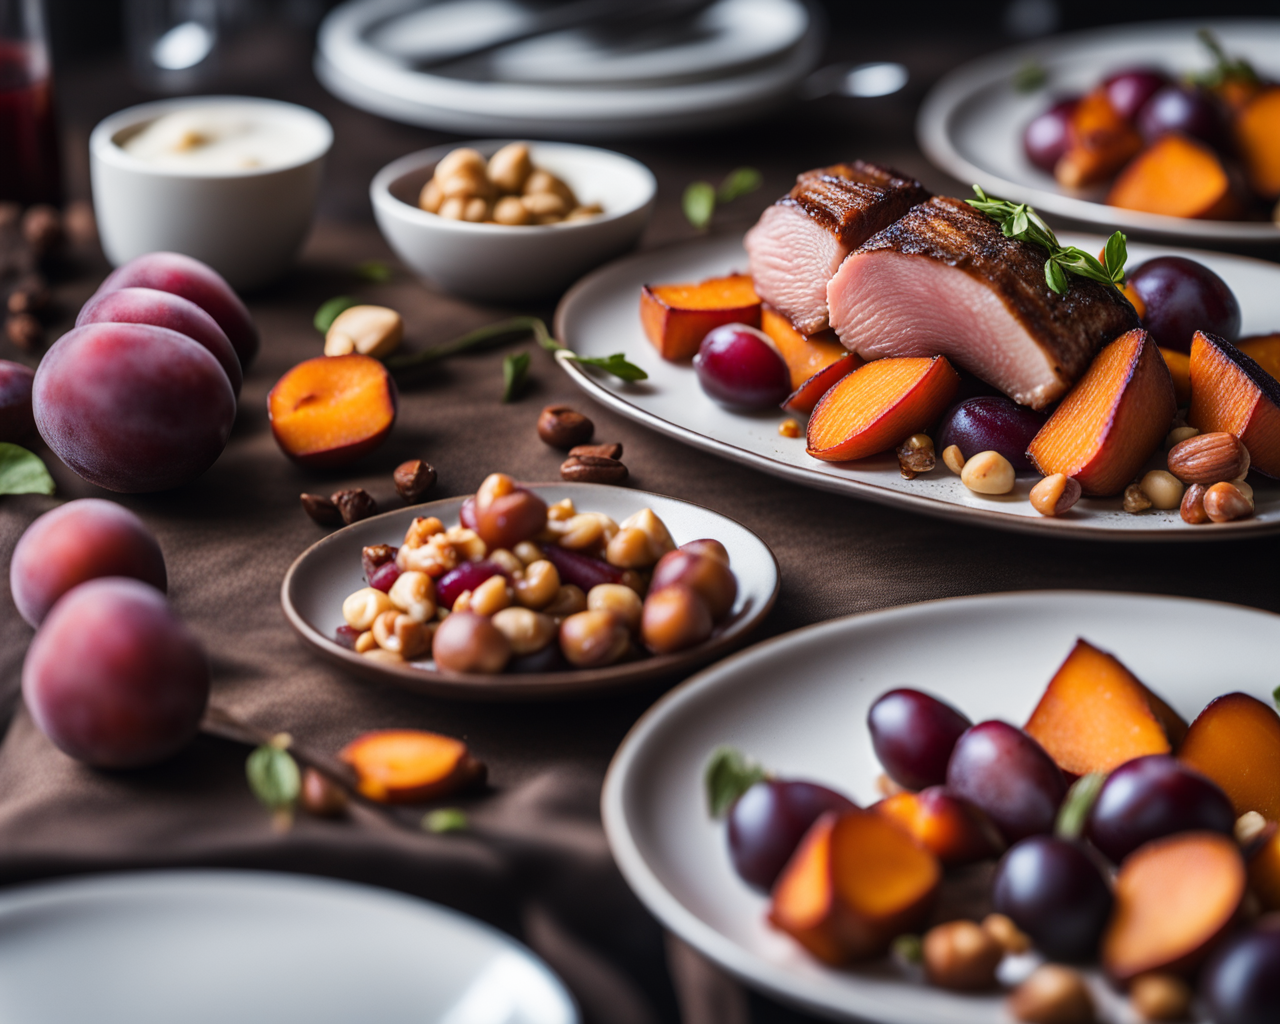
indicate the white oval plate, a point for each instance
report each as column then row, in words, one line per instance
column 798, row 705
column 209, row 947
column 600, row 315
column 323, row 575
column 971, row 122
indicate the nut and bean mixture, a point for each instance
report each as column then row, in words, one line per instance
column 519, row 585
column 505, row 189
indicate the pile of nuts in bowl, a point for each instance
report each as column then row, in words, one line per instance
column 521, row 586
column 505, row 189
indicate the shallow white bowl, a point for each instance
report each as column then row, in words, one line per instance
column 246, row 224
column 507, row 263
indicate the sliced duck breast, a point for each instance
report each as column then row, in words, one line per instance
column 799, row 242
column 944, row 280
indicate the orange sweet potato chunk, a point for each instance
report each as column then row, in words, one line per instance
column 1178, row 177
column 1173, row 898
column 950, row 828
column 1099, row 143
column 878, row 405
column 1264, row 869
column 1095, row 715
column 1232, row 393
column 805, row 355
column 1179, row 364
column 408, row 765
column 1112, row 420
column 676, row 317
column 803, row 399
column 1263, row 349
column 1235, row 741
column 1258, row 137
column 331, row 410
column 856, row 881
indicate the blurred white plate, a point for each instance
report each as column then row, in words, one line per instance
column 600, row 315
column 212, row 947
column 971, row 122
column 798, row 705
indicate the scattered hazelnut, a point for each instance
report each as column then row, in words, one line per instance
column 1193, row 505
column 42, row 228
column 509, row 168
column 1160, row 996
column 321, row 509
column 29, row 295
column 1179, row 434
column 988, row 473
column 591, row 469
column 321, row 796
column 1224, row 502
column 1135, row 499
column 953, row 458
column 563, row 427
column 915, row 456
column 961, row 955
column 1053, row 995
column 414, row 478
column 1164, row 489
column 1055, row 494
column 24, row 331
column 789, row 428
column 1011, row 938
column 355, row 504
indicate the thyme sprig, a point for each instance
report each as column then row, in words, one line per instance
column 1224, row 68
column 1019, row 221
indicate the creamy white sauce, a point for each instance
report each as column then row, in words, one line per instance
column 220, row 139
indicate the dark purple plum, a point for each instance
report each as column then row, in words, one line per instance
column 467, row 576
column 1182, row 297
column 913, row 734
column 1241, row 982
column 1007, row 774
column 1154, row 796
column 1053, row 891
column 768, row 821
column 1129, row 90
column 738, row 366
column 1187, row 111
column 384, row 577
column 581, row 570
column 1044, row 140
column 347, row 636
column 17, row 422
column 991, row 423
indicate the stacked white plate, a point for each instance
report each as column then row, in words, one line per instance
column 726, row 62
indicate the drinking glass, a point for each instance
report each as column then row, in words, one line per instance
column 30, row 171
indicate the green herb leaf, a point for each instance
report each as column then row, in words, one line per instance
column 739, row 182
column 1115, row 255
column 908, row 948
column 699, row 203
column 727, row 777
column 274, row 777
column 515, row 370
column 1275, row 696
column 615, row 364
column 1077, row 804
column 1056, row 277
column 446, row 819
column 1030, row 76
column 22, row 472
column 374, row 271
column 331, row 310
column 1224, row 68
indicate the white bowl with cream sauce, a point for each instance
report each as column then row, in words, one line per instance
column 230, row 180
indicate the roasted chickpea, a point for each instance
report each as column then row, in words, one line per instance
column 620, row 600
column 491, row 596
column 414, row 593
column 365, row 605
column 709, row 577
column 526, row 631
column 594, row 639
column 539, row 586
column 569, row 600
column 467, row 642
column 675, row 618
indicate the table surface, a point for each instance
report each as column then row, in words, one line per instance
column 535, row 861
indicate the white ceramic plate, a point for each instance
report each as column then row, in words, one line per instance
column 600, row 316
column 209, row 947
column 971, row 122
column 798, row 704
column 329, row 570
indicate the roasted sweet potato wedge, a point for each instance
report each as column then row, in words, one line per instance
column 407, row 765
column 1263, row 349
column 1258, row 138
column 1230, row 392
column 676, row 317
column 948, row 826
column 1099, row 143
column 804, row 354
column 1178, row 177
column 1235, row 741
column 803, row 399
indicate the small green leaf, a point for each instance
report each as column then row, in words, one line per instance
column 1275, row 696
column 1055, row 277
column 1030, row 76
column 1115, row 254
column 446, row 819
column 515, row 371
column 273, row 776
column 615, row 364
column 699, row 203
column 1077, row 804
column 727, row 777
column 738, row 182
column 331, row 310
column 22, row 472
column 908, row 948
column 374, row 271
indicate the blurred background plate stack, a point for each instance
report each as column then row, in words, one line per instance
column 583, row 69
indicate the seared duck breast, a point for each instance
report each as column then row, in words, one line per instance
column 944, row 280
column 800, row 241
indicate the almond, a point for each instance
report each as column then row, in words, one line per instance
column 1208, row 458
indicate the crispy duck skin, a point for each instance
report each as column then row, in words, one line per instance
column 800, row 241
column 944, row 280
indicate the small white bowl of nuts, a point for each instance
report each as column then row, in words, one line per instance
column 507, row 220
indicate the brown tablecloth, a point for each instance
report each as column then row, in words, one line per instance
column 535, row 862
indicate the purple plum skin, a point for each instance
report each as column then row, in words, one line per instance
column 768, row 821
column 467, row 576
column 1005, row 773
column 114, row 678
column 1241, row 982
column 1187, row 111
column 1182, row 297
column 738, row 368
column 17, row 422
column 1151, row 797
column 913, row 734
column 1129, row 90
column 1044, row 140
column 82, row 540
column 991, row 423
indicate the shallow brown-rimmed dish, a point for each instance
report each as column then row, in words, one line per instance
column 329, row 570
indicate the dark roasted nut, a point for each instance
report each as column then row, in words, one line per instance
column 322, row 796
column 414, row 478
column 42, row 228
column 355, row 504
column 915, row 455
column 563, row 427
column 1208, row 458
column 600, row 451
column 375, row 555
column 24, row 331
column 321, row 509
column 1224, row 502
column 29, row 295
column 591, row 469
column 1193, row 505
column 79, row 223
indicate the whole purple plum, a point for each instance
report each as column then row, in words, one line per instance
column 1129, row 90
column 739, row 367
column 1187, row 111
column 1007, row 774
column 991, row 423
column 1044, row 140
column 1181, row 297
column 17, row 423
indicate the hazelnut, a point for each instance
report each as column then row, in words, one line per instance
column 1192, row 508
column 961, row 955
column 1160, row 996
column 563, row 427
column 593, row 639
column 1055, row 494
column 1053, row 995
column 413, row 479
column 675, row 618
column 24, row 331
column 430, row 197
column 1224, row 502
column 463, row 159
column 509, row 210
column 988, row 473
column 355, row 504
column 953, row 458
column 467, row 642
column 1164, row 489
column 509, row 168
column 322, row 796
column 1012, row 938
column 915, row 456
column 321, row 509
column 1135, row 499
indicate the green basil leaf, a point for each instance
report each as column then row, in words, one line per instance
column 615, row 364
column 1115, row 254
column 373, row 271
column 515, row 370
column 273, row 776
column 1055, row 277
column 446, row 819
column 22, row 472
column 909, row 948
column 331, row 310
column 727, row 777
column 1030, row 76
column 699, row 203
column 738, row 182
column 1077, row 804
column 1275, row 696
